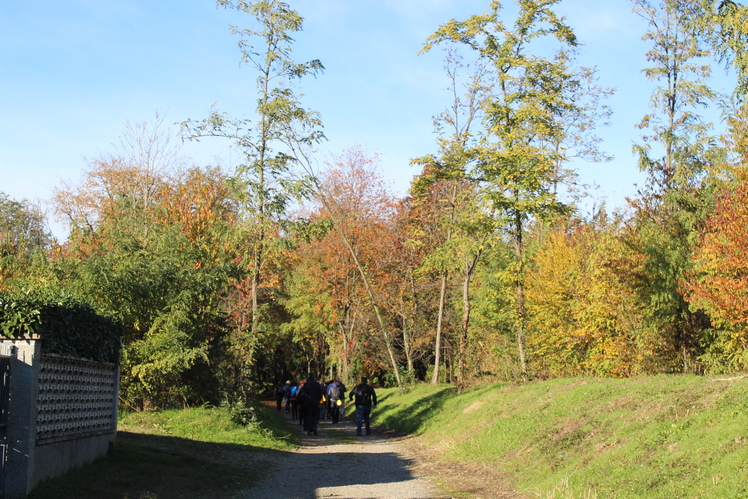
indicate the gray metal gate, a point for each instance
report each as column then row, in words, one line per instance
column 4, row 400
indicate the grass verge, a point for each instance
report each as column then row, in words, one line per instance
column 190, row 453
column 654, row 437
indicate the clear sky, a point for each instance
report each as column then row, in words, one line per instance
column 73, row 72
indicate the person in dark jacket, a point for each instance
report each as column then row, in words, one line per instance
column 309, row 396
column 287, row 394
column 279, row 395
column 365, row 399
column 300, row 404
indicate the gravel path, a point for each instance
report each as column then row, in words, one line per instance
column 338, row 464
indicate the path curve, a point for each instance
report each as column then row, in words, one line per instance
column 338, row 464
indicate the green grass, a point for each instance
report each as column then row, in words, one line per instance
column 663, row 436
column 650, row 437
column 214, row 425
column 191, row 453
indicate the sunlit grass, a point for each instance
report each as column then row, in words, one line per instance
column 213, row 425
column 662, row 436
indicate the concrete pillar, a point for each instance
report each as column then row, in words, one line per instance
column 21, row 437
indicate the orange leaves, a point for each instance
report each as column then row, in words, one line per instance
column 719, row 282
column 350, row 266
column 197, row 199
column 355, row 197
column 106, row 183
column 118, row 198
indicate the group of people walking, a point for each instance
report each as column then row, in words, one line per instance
column 311, row 400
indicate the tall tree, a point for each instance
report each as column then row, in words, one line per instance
column 681, row 69
column 676, row 152
column 525, row 118
column 353, row 197
column 267, row 140
column 443, row 187
column 723, row 23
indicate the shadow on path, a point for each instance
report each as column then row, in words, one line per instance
column 337, row 463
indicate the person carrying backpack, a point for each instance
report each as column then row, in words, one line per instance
column 287, row 394
column 310, row 396
column 366, row 398
column 294, row 401
column 336, row 398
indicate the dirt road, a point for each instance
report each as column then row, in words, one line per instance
column 338, row 464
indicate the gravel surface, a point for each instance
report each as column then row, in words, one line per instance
column 336, row 463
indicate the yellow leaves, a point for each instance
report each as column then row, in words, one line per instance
column 583, row 318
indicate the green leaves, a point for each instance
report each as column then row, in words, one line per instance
column 17, row 319
column 534, row 110
column 66, row 326
column 22, row 237
column 675, row 127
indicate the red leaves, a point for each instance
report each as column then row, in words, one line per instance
column 719, row 283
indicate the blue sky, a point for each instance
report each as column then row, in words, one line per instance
column 73, row 72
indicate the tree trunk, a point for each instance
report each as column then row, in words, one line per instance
column 407, row 343
column 521, row 327
column 413, row 314
column 520, row 291
column 463, row 331
column 439, row 321
column 347, row 326
column 470, row 265
column 377, row 311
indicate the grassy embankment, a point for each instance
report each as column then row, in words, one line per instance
column 654, row 437
column 190, row 453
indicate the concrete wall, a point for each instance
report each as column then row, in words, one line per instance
column 62, row 414
column 55, row 459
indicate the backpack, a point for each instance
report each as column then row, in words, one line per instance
column 335, row 392
column 366, row 398
column 294, row 389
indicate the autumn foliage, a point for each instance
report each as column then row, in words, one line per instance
column 226, row 280
column 586, row 318
column 719, row 281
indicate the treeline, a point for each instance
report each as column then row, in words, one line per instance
column 227, row 282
